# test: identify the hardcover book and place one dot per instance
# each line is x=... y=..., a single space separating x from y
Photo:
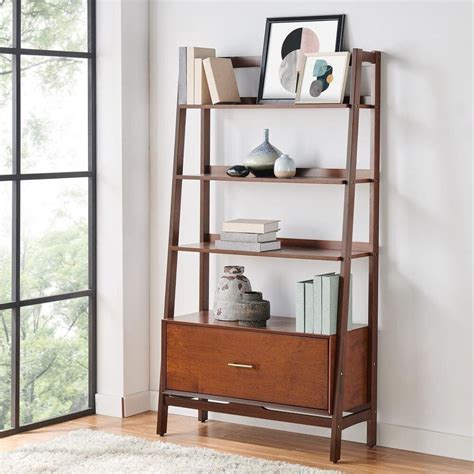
x=245 y=237
x=251 y=226
x=191 y=54
x=300 y=306
x=248 y=246
x=330 y=293
x=318 y=302
x=308 y=307
x=221 y=80
x=201 y=89
x=182 y=77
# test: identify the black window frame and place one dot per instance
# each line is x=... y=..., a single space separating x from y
x=16 y=178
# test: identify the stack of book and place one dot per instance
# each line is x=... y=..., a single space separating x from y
x=205 y=79
x=249 y=235
x=317 y=303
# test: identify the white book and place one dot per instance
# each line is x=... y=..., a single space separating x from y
x=248 y=246
x=251 y=226
x=191 y=54
x=308 y=307
x=201 y=88
x=330 y=293
x=300 y=306
x=245 y=237
x=318 y=302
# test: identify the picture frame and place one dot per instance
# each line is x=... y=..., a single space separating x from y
x=286 y=41
x=324 y=78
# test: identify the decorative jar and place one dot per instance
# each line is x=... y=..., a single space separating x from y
x=284 y=167
x=261 y=159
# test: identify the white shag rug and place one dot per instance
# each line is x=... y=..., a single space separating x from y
x=88 y=451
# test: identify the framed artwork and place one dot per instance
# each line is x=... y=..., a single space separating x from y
x=324 y=78
x=286 y=42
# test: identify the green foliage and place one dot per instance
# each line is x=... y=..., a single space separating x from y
x=53 y=336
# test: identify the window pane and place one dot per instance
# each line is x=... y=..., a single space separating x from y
x=54 y=245
x=5 y=242
x=6 y=118
x=53 y=360
x=6 y=23
x=54 y=24
x=54 y=114
x=5 y=370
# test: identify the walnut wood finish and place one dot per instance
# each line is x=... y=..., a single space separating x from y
x=351 y=359
x=198 y=357
x=340 y=373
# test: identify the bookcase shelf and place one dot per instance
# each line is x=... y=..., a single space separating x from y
x=303 y=176
x=310 y=379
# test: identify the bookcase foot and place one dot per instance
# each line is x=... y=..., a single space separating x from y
x=203 y=414
x=162 y=419
x=335 y=453
x=372 y=433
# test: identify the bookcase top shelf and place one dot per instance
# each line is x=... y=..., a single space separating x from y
x=276 y=105
x=303 y=176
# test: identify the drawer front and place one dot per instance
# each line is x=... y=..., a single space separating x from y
x=281 y=369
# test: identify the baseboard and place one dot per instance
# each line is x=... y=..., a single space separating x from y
x=108 y=405
x=389 y=435
x=121 y=407
x=136 y=403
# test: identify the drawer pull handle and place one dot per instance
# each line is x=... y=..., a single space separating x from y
x=241 y=366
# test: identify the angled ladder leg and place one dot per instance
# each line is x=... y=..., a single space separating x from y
x=344 y=285
x=172 y=264
x=204 y=222
x=374 y=258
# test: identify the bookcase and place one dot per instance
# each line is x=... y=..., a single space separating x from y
x=275 y=372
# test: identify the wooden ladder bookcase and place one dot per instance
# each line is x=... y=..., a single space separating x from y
x=339 y=371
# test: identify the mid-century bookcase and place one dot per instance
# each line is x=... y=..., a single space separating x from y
x=275 y=372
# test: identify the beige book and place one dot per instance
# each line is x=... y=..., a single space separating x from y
x=221 y=80
x=201 y=89
x=192 y=54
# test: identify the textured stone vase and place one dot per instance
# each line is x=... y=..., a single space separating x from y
x=261 y=160
x=253 y=310
x=230 y=288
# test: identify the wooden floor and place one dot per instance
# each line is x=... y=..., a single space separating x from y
x=250 y=441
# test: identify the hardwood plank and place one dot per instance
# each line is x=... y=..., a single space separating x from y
x=250 y=441
x=277 y=105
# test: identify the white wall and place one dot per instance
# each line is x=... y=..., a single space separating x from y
x=425 y=348
x=122 y=207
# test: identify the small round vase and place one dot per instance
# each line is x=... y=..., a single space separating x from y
x=284 y=167
x=253 y=310
x=230 y=288
x=261 y=159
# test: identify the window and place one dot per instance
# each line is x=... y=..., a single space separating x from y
x=47 y=212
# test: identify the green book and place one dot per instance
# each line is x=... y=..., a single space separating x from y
x=318 y=302
x=308 y=307
x=330 y=294
x=300 y=306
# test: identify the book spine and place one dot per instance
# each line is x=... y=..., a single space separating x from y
x=182 y=77
x=308 y=307
x=190 y=75
x=330 y=288
x=300 y=306
x=247 y=246
x=317 y=286
x=246 y=237
x=249 y=228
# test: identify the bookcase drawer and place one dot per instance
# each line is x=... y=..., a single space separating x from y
x=281 y=369
x=287 y=369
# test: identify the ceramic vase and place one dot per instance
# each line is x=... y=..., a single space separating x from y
x=230 y=288
x=261 y=159
x=284 y=167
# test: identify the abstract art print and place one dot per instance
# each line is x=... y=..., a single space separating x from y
x=287 y=40
x=324 y=78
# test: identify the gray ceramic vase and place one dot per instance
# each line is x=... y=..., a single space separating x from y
x=261 y=160
x=230 y=288
x=253 y=310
